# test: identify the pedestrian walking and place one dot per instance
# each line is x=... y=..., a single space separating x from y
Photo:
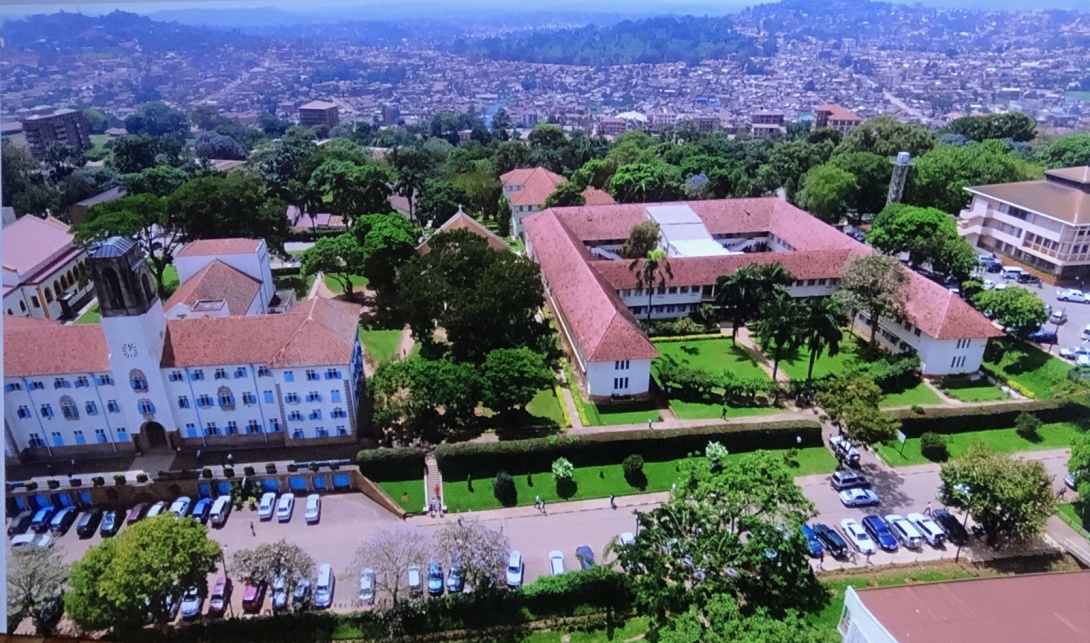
x=252 y=530
x=1063 y=492
x=648 y=424
x=198 y=455
x=459 y=521
x=821 y=556
x=723 y=415
x=612 y=501
x=538 y=504
x=927 y=509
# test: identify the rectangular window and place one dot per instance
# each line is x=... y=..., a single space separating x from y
x=47 y=411
x=13 y=386
x=82 y=382
x=240 y=372
x=35 y=441
x=91 y=408
x=291 y=398
x=672 y=290
x=297 y=434
x=211 y=429
x=311 y=374
x=621 y=365
x=60 y=382
x=139 y=384
x=183 y=402
x=36 y=386
x=104 y=380
x=295 y=416
x=58 y=439
x=220 y=374
x=249 y=398
x=204 y=401
x=264 y=372
x=315 y=415
x=338 y=413
x=100 y=436
x=321 y=432
x=333 y=374
x=197 y=375
x=232 y=427
x=23 y=412
x=335 y=396
x=620 y=383
x=113 y=407
x=342 y=430
x=190 y=430
x=313 y=396
x=227 y=402
x=289 y=376
x=80 y=438
x=253 y=427
x=274 y=425
x=269 y=398
x=175 y=376
x=145 y=407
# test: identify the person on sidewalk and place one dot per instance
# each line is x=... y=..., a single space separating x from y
x=927 y=509
x=723 y=415
x=253 y=532
x=537 y=503
x=612 y=501
x=649 y=424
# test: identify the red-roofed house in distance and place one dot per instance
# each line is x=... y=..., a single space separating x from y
x=43 y=269
x=597 y=300
x=527 y=188
x=836 y=117
x=211 y=370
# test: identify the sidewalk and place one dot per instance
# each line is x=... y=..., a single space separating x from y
x=641 y=501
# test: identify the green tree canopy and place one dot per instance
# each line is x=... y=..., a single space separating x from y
x=874 y=285
x=646 y=183
x=778 y=326
x=157 y=119
x=723 y=621
x=940 y=177
x=413 y=168
x=222 y=207
x=133 y=153
x=353 y=189
x=820 y=329
x=36 y=579
x=790 y=161
x=1012 y=125
x=739 y=296
x=872 y=174
x=160 y=180
x=642 y=239
x=387 y=241
x=566 y=194
x=1017 y=310
x=409 y=394
x=512 y=376
x=1069 y=151
x=853 y=398
x=828 y=192
x=1010 y=498
x=886 y=137
x=439 y=201
x=340 y=257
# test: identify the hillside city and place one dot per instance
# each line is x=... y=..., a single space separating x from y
x=768 y=326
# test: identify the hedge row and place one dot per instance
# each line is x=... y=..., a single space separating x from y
x=485 y=459
x=666 y=339
x=403 y=463
x=984 y=417
x=1000 y=375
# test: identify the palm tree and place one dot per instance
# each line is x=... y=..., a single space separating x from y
x=655 y=267
x=821 y=328
x=739 y=296
x=779 y=326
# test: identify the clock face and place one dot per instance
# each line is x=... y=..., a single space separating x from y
x=129 y=350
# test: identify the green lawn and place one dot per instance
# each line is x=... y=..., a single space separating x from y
x=1067 y=513
x=170 y=279
x=973 y=391
x=1029 y=366
x=407 y=493
x=619 y=413
x=381 y=344
x=713 y=355
x=695 y=410
x=631 y=630
x=920 y=394
x=796 y=363
x=599 y=482
x=545 y=405
x=358 y=282
x=92 y=316
x=1052 y=436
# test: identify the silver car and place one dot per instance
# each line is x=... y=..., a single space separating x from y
x=367 y=586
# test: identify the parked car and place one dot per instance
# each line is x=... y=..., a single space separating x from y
x=1073 y=352
x=221 y=509
x=416 y=583
x=988 y=284
x=858 y=498
x=285 y=507
x=88 y=523
x=367 y=586
x=905 y=531
x=202 y=509
x=111 y=523
x=31 y=538
x=266 y=506
x=556 y=562
x=301 y=597
x=847 y=479
x=1041 y=336
x=951 y=526
x=156 y=509
x=858 y=537
x=456 y=577
x=830 y=540
x=1072 y=294
x=993 y=267
x=880 y=532
x=1027 y=278
x=928 y=528
x=324 y=586
x=21 y=522
x=812 y=541
x=180 y=507
x=136 y=514
x=844 y=450
x=280 y=593
x=1011 y=272
x=435 y=578
x=40 y=522
x=514 y=570
x=585 y=556
x=1058 y=317
x=627 y=538
x=221 y=597
x=253 y=597
x=62 y=521
x=191 y=603
x=314 y=508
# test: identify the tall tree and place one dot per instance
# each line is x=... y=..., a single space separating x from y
x=501 y=124
x=340 y=257
x=213 y=145
x=778 y=326
x=1017 y=310
x=439 y=201
x=820 y=327
x=159 y=180
x=503 y=217
x=642 y=239
x=157 y=119
x=413 y=168
x=1010 y=498
x=36 y=580
x=828 y=192
x=652 y=271
x=920 y=232
x=266 y=561
x=512 y=376
x=142 y=217
x=389 y=553
x=739 y=296
x=220 y=207
x=133 y=153
x=872 y=173
x=875 y=285
x=387 y=241
x=646 y=183
x=20 y=172
x=353 y=189
x=886 y=136
x=482 y=551
x=566 y=194
x=1015 y=126
x=853 y=398
x=723 y=621
x=1067 y=151
x=941 y=176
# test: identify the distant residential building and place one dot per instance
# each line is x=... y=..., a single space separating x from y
x=1044 y=225
x=611 y=126
x=835 y=117
x=317 y=113
x=77 y=211
x=391 y=114
x=767 y=124
x=45 y=273
x=527 y=189
x=703 y=123
x=67 y=126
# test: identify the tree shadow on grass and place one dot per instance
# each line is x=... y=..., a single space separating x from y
x=637 y=480
x=519 y=424
x=691 y=351
x=566 y=488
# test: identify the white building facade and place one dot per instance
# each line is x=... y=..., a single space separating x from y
x=45 y=273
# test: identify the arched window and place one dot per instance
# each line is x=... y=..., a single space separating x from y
x=48 y=295
x=226 y=398
x=113 y=287
x=138 y=381
x=68 y=408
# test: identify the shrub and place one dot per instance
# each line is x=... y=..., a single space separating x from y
x=715 y=452
x=1027 y=425
x=917 y=409
x=933 y=447
x=206 y=473
x=682 y=326
x=401 y=463
x=270 y=467
x=503 y=487
x=141 y=478
x=119 y=478
x=983 y=417
x=632 y=465
x=563 y=469
x=98 y=481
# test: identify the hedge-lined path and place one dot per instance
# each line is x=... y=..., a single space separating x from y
x=405 y=347
x=675 y=423
x=569 y=403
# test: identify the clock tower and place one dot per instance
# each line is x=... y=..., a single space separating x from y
x=135 y=329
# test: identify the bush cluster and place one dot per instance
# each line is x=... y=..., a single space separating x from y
x=984 y=417
x=933 y=447
x=383 y=465
x=679 y=327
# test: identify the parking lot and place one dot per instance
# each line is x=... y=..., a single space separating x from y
x=1078 y=314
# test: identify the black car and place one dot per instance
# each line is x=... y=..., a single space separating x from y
x=1027 y=278
x=21 y=522
x=88 y=523
x=111 y=522
x=955 y=531
x=830 y=539
x=1043 y=337
x=991 y=265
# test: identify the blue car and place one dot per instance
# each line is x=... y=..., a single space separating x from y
x=201 y=510
x=879 y=531
x=812 y=541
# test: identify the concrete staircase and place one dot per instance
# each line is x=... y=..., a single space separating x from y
x=432 y=479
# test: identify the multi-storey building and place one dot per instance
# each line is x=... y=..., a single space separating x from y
x=66 y=126
x=142 y=381
x=597 y=298
x=45 y=273
x=835 y=117
x=767 y=124
x=527 y=189
x=1044 y=224
x=317 y=113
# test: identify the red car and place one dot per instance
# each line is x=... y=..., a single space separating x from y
x=253 y=597
x=136 y=514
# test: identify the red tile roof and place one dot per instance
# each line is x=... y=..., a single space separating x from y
x=217 y=280
x=594 y=196
x=208 y=247
x=704 y=271
x=591 y=310
x=38 y=347
x=838 y=113
x=462 y=221
x=537 y=184
x=942 y=314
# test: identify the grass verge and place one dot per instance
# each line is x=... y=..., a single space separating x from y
x=1029 y=366
x=407 y=493
x=1067 y=513
x=380 y=344
x=1051 y=436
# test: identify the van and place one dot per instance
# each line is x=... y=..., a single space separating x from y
x=221 y=508
x=847 y=479
x=323 y=587
x=1011 y=272
x=416 y=587
x=62 y=521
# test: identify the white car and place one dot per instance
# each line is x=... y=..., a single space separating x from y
x=1082 y=360
x=314 y=508
x=928 y=528
x=367 y=586
x=285 y=507
x=266 y=506
x=858 y=537
x=989 y=284
x=856 y=497
x=30 y=538
x=1074 y=352
x=1058 y=317
x=1001 y=286
x=514 y=570
x=905 y=531
x=1071 y=294
x=1085 y=334
x=627 y=538
x=556 y=562
x=180 y=507
x=156 y=509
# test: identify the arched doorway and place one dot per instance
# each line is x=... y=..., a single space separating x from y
x=155 y=436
